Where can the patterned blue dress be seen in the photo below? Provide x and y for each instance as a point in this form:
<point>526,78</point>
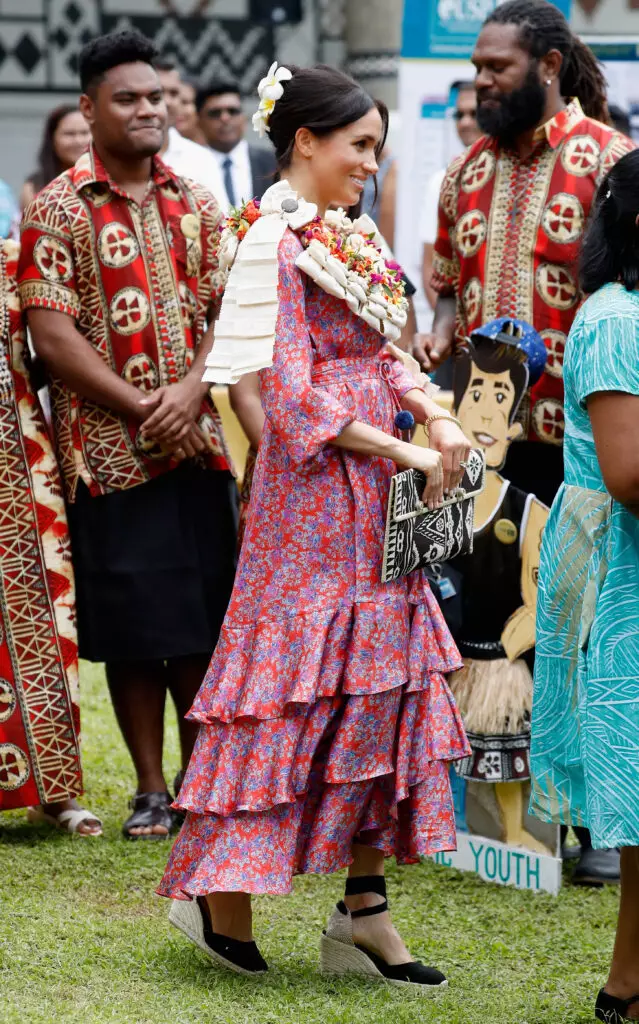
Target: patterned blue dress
<point>585,722</point>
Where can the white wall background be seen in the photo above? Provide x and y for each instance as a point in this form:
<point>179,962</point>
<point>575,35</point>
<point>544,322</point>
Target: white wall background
<point>612,17</point>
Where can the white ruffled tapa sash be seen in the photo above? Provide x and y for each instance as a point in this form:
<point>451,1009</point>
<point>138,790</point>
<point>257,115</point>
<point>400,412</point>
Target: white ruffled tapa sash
<point>245,331</point>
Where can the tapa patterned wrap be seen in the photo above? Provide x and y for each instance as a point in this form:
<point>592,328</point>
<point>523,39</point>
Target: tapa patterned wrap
<point>39,714</point>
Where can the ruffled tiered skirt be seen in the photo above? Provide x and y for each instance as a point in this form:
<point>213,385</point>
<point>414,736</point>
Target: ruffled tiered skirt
<point>318,729</point>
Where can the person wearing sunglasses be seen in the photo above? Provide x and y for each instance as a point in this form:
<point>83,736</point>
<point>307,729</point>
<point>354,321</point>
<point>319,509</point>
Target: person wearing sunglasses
<point>182,155</point>
<point>247,171</point>
<point>465,117</point>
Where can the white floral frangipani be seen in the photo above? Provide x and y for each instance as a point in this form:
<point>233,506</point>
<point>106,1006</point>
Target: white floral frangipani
<point>270,90</point>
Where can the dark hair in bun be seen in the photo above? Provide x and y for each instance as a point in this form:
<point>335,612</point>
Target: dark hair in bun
<point>323,100</point>
<point>610,250</point>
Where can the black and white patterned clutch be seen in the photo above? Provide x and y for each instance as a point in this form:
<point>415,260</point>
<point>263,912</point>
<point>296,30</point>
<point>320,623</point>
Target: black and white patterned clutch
<point>416,536</point>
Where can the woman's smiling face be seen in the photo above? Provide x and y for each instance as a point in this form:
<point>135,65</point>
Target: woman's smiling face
<point>341,162</point>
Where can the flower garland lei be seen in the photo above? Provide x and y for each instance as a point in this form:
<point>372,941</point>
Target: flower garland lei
<point>343,257</point>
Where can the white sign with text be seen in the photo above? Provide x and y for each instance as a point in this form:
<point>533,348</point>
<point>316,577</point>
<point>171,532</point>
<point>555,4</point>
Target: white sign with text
<point>506,865</point>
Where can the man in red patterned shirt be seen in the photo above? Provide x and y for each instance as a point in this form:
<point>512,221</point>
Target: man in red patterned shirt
<point>119,278</point>
<point>513,209</point>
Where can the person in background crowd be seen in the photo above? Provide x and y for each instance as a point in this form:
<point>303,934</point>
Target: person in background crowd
<point>380,204</point>
<point>64,139</point>
<point>9,213</point>
<point>620,120</point>
<point>585,722</point>
<point>465,117</point>
<point>119,318</point>
<point>512,213</point>
<point>468,130</point>
<point>247,171</point>
<point>187,122</point>
<point>183,156</point>
<point>39,713</point>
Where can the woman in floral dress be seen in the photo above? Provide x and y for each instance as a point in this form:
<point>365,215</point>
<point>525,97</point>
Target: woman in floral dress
<point>327,726</point>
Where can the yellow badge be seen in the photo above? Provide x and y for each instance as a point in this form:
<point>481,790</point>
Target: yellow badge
<point>190,225</point>
<point>505,531</point>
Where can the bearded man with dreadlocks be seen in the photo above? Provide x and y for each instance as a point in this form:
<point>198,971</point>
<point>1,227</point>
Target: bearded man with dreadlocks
<point>512,213</point>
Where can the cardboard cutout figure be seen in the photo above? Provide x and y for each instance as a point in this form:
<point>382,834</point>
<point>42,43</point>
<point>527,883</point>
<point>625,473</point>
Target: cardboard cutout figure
<point>499,582</point>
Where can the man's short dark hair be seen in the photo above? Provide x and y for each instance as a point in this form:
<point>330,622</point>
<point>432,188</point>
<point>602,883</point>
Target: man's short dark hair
<point>217,87</point>
<point>462,85</point>
<point>491,357</point>
<point>109,51</point>
<point>165,63</point>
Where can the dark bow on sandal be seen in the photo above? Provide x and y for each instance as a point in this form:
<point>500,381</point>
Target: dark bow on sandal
<point>612,1010</point>
<point>342,955</point>
<point>149,809</point>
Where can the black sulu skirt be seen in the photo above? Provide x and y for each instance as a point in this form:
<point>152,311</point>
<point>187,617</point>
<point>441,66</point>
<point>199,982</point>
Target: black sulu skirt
<point>154,565</point>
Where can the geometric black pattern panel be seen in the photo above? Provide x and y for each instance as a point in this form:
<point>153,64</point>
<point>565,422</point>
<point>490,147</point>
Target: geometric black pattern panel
<point>209,48</point>
<point>416,536</point>
<point>39,45</point>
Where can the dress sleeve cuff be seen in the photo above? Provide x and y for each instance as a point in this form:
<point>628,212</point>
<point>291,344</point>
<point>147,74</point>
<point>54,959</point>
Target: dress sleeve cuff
<point>405,373</point>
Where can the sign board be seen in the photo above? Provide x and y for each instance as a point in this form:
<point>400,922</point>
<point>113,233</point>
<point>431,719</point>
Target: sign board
<point>506,865</point>
<point>447,28</point>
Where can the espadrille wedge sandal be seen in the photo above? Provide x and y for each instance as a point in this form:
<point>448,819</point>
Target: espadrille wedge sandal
<point>341,955</point>
<point>613,1010</point>
<point>193,919</point>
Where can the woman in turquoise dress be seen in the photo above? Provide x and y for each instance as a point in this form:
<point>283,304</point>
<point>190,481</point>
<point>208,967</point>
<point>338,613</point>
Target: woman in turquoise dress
<point>585,723</point>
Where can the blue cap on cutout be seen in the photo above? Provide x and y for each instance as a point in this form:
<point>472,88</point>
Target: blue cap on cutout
<point>521,335</point>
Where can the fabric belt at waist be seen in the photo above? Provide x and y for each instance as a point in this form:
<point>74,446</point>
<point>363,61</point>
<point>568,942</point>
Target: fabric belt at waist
<point>351,368</point>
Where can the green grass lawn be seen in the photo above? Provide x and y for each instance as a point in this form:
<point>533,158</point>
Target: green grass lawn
<point>84,939</point>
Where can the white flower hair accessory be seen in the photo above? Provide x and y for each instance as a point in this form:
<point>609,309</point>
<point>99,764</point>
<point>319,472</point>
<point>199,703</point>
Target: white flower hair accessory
<point>270,90</point>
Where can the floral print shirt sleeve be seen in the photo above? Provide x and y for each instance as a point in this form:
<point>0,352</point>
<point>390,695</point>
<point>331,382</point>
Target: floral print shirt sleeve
<point>305,418</point>
<point>597,368</point>
<point>446,268</point>
<point>211,278</point>
<point>46,271</point>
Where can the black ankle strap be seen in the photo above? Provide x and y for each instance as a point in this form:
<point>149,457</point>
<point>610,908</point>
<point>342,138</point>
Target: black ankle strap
<point>369,911</point>
<point>366,883</point>
<point>612,1008</point>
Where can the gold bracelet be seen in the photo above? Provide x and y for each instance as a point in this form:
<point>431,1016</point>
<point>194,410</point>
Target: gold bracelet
<point>440,416</point>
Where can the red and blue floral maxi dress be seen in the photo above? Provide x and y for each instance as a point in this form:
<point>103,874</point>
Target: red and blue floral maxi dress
<point>325,716</point>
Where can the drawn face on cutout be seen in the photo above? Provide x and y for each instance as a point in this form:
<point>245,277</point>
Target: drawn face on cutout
<point>489,385</point>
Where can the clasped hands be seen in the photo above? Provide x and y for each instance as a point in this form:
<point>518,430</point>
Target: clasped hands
<point>431,350</point>
<point>170,415</point>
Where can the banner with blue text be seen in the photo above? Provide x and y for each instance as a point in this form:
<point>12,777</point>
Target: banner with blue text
<point>447,28</point>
